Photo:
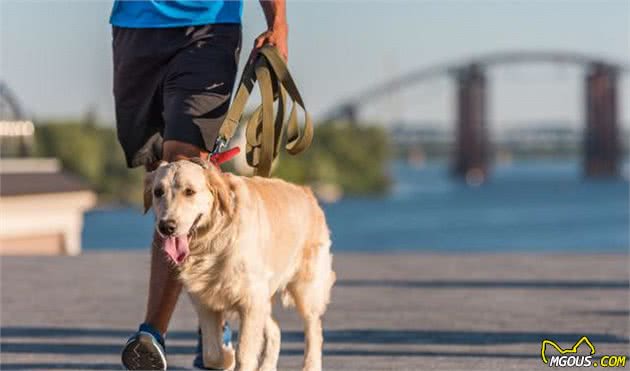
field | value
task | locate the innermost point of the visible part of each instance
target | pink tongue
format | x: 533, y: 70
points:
x: 176, y: 248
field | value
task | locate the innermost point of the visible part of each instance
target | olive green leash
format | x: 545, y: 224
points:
x: 266, y: 129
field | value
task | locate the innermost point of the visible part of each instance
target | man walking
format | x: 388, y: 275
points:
x: 175, y: 63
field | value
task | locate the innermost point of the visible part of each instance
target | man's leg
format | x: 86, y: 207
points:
x: 181, y: 92
x: 195, y: 94
x: 174, y: 150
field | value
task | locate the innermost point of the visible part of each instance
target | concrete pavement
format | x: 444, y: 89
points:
x: 389, y: 311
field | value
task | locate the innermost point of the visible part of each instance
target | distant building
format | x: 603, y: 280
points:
x: 41, y: 208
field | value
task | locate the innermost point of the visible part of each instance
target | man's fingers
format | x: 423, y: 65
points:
x: 268, y: 39
x: 260, y: 41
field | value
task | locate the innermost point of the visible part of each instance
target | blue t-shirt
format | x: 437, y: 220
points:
x: 174, y: 13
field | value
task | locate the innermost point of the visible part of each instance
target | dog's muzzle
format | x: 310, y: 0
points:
x: 177, y: 247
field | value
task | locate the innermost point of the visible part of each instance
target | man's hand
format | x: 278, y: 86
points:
x: 276, y: 36
x: 277, y: 31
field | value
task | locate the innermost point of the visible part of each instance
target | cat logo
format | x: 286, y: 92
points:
x: 570, y: 358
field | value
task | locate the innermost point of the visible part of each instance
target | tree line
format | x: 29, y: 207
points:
x: 353, y: 158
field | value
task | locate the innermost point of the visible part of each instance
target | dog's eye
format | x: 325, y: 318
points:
x: 158, y: 192
x: 189, y: 192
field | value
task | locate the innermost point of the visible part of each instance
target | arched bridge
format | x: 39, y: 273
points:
x: 10, y: 108
x: 601, y: 137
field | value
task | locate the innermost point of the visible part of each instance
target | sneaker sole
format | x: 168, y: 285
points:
x: 143, y: 353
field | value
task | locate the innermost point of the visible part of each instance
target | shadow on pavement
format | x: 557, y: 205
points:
x: 340, y: 343
x: 356, y: 336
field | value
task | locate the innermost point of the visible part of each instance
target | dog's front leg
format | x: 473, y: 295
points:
x: 253, y: 318
x: 271, y: 352
x: 216, y: 355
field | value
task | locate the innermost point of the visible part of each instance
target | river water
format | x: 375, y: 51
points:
x: 528, y: 206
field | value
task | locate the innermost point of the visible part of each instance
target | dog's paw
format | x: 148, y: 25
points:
x: 226, y: 361
x: 312, y: 366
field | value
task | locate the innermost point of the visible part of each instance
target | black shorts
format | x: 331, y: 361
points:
x: 172, y: 84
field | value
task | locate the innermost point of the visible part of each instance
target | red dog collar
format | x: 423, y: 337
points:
x: 225, y: 156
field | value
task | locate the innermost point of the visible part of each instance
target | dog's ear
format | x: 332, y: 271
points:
x: 220, y: 189
x: 148, y: 187
x: 148, y: 190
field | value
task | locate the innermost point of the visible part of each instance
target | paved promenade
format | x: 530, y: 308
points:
x: 389, y: 312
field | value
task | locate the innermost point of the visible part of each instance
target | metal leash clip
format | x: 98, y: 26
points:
x: 219, y: 145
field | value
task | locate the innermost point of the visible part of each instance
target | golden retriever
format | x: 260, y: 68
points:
x: 236, y: 242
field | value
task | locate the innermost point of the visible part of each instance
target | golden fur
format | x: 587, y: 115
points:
x: 256, y: 237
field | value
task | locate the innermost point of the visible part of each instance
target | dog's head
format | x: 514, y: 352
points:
x: 186, y: 196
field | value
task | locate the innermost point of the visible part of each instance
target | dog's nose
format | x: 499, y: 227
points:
x: 166, y: 226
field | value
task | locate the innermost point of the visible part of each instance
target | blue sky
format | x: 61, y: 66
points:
x: 56, y: 55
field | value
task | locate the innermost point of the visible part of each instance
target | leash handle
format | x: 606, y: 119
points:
x: 265, y: 129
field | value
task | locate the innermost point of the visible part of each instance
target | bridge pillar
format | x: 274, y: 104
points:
x: 601, y: 137
x: 471, y: 152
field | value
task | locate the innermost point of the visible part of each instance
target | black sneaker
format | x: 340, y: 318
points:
x: 144, y: 350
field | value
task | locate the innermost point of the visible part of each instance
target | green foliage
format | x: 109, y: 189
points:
x: 352, y: 157
x: 93, y: 153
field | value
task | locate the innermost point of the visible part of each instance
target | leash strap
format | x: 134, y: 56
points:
x: 264, y: 131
